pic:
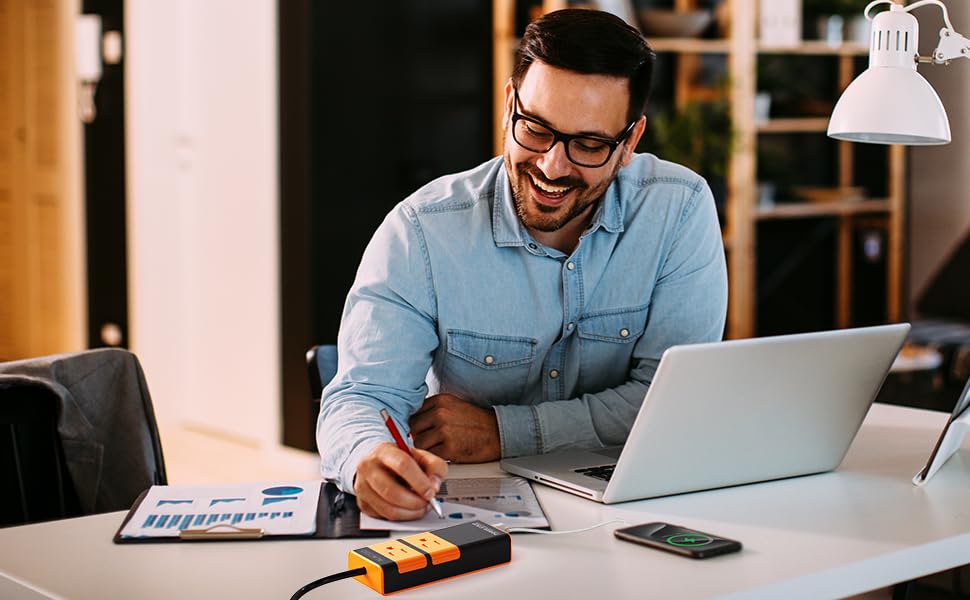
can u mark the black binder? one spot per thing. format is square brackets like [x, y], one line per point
[337, 517]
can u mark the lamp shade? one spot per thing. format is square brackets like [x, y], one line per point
[887, 105]
[890, 103]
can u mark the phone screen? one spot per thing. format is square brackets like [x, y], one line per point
[677, 539]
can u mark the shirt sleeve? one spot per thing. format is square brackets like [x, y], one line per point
[385, 345]
[688, 305]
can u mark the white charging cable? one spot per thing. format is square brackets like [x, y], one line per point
[543, 531]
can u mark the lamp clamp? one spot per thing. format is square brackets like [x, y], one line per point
[952, 45]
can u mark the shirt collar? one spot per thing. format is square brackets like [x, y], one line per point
[508, 230]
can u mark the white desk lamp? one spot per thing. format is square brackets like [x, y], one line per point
[890, 103]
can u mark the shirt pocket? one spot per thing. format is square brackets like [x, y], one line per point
[485, 368]
[607, 339]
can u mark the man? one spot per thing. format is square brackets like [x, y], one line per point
[523, 306]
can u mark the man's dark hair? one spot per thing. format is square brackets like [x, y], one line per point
[592, 42]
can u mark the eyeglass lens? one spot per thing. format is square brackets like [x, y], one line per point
[586, 152]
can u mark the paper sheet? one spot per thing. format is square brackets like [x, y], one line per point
[507, 500]
[278, 508]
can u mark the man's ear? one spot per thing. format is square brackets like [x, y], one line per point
[509, 89]
[632, 140]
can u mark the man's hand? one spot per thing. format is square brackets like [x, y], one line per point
[392, 485]
[456, 430]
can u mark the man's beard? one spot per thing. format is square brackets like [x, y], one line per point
[551, 218]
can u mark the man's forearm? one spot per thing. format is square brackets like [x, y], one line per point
[590, 421]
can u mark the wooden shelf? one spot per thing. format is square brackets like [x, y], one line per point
[801, 210]
[689, 45]
[723, 46]
[794, 125]
[815, 47]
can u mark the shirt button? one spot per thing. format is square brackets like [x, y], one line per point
[624, 332]
[569, 326]
[489, 359]
[570, 265]
[553, 374]
[533, 246]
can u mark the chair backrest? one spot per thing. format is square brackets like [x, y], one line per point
[106, 434]
[33, 473]
[321, 362]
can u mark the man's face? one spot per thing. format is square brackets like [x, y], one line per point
[549, 190]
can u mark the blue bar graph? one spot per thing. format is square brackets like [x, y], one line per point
[190, 520]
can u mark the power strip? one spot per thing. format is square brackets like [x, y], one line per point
[427, 557]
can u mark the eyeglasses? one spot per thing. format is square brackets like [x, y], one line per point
[583, 150]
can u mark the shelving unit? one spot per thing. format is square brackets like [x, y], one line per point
[741, 49]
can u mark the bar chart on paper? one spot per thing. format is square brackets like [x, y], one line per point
[273, 508]
[191, 520]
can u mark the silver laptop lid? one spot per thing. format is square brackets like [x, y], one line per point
[750, 410]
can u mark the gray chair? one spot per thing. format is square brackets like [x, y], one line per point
[79, 435]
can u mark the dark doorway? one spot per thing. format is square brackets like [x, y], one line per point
[104, 190]
[376, 99]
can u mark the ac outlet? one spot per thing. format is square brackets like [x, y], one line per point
[406, 558]
[440, 550]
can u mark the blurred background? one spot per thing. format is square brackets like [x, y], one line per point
[209, 213]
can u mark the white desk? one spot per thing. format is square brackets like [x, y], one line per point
[862, 527]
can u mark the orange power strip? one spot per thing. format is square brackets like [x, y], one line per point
[427, 557]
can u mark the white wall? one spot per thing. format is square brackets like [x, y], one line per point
[940, 175]
[203, 211]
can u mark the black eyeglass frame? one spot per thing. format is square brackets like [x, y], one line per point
[566, 138]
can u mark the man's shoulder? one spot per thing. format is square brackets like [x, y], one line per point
[649, 170]
[456, 191]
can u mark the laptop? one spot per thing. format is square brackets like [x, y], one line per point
[734, 412]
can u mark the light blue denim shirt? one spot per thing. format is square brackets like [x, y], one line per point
[454, 296]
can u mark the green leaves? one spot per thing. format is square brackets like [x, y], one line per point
[698, 136]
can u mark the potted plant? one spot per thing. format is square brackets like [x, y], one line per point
[698, 136]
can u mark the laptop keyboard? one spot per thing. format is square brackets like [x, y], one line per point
[603, 472]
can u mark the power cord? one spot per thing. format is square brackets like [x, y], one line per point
[547, 532]
[325, 580]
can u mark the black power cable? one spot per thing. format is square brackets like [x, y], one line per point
[325, 580]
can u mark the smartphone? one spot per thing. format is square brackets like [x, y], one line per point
[677, 539]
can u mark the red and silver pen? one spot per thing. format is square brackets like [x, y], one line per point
[435, 505]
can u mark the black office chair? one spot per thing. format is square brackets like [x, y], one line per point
[33, 471]
[321, 362]
[78, 436]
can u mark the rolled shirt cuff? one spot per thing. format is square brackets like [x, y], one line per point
[518, 430]
[349, 469]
